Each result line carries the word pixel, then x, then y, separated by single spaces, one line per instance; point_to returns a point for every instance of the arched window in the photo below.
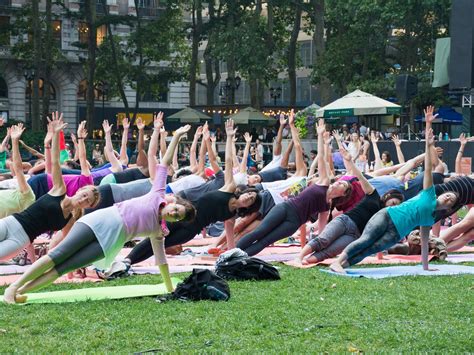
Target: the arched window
pixel 3 88
pixel 52 90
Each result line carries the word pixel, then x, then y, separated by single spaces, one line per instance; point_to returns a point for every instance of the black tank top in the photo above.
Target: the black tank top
pixel 129 175
pixel 213 207
pixel 43 216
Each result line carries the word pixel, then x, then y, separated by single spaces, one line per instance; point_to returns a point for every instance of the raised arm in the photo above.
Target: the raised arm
pixel 428 176
pixel 229 183
pixel 193 163
pixel 328 153
pixel 163 135
pixel 366 186
pixel 398 147
pixel 153 146
pixel 56 123
pixel 167 158
pixel 295 136
pixel 116 166
pixel 337 136
pixel 206 143
pixel 278 148
pixel 76 147
pixel 322 170
pixel 243 163
pixel 15 134
pixel 142 160
pixel 31 150
pixel 378 161
pixel 81 136
pixel 463 141
pixel 47 148
pixel 3 146
pixel 123 145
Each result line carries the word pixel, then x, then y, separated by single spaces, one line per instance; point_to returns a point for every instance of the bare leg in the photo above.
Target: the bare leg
pixel 458 243
pixel 36 270
pixel 459 228
pixel 42 281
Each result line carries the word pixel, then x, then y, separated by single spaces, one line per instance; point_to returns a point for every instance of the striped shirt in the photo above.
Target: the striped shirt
pixel 463 186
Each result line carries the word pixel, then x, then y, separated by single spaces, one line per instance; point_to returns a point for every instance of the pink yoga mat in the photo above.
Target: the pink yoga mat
pixel 8 279
pixel 370 260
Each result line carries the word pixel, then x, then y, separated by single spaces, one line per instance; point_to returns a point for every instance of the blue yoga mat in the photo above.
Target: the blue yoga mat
pixel 395 271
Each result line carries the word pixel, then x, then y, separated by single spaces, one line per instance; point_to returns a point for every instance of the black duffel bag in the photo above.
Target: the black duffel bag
pixel 202 284
pixel 246 268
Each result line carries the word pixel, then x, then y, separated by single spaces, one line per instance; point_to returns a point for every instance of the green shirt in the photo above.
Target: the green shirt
pixel 14 201
pixel 418 211
pixel 3 160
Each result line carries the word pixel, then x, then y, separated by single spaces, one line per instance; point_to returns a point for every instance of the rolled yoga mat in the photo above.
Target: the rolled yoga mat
pixel 98 293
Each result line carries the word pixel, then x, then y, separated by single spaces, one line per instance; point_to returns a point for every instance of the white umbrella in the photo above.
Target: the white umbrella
pixel 188 115
pixel 358 103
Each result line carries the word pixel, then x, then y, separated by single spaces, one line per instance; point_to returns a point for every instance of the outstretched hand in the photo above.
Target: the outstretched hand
pixel 429 117
pixel 396 141
pixel 229 128
pixel 283 120
pixel 321 127
pixel 183 130
pixel 16 131
pixel 345 154
pixel 140 124
pixel 158 121
pixel 247 137
pixel 56 122
pixel 81 130
pixel 106 126
pixel 125 123
pixel 462 139
pixel 200 131
pixel 291 117
pixel 2 122
pixel 373 137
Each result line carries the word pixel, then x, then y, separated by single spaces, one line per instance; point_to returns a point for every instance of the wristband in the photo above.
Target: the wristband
pixel 80 137
pixel 47 147
pixel 461 151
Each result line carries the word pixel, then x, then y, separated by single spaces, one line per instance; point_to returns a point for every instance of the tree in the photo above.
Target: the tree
pixel 90 15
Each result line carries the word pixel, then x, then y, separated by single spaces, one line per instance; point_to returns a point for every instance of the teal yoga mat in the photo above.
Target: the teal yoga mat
pixel 98 293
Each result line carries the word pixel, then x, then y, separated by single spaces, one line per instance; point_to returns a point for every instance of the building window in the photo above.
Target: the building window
pixel 150 97
pixel 4 31
pixel 83 31
pixel 3 88
pixel 57 32
pixel 82 92
pixel 305 53
pixel 303 91
pixel 52 90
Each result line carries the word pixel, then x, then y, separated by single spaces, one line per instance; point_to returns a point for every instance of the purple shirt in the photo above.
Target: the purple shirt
pixel 311 201
pixel 72 182
pixel 141 215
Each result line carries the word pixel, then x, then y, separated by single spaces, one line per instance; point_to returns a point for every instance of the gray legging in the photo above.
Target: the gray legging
pixel 80 248
pixel 337 235
pixel 379 234
pixel 282 221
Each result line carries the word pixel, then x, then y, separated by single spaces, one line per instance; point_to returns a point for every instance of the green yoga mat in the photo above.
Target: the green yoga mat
pixel 98 293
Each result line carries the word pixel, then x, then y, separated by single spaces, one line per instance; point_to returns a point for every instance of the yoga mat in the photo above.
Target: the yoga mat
pixel 92 277
pixel 465 249
pixel 370 260
pixel 141 270
pixel 98 293
pixel 395 271
pixel 13 269
pixel 198 242
pixel 460 258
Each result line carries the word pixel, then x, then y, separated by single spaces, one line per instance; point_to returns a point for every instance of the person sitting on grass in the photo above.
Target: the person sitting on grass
pixel 392 224
pixel 102 234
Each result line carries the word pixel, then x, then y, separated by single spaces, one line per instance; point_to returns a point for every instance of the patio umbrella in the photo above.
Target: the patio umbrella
pixel 188 115
pixel 249 114
pixel 358 103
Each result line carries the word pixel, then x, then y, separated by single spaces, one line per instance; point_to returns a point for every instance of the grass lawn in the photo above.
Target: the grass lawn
pixel 307 311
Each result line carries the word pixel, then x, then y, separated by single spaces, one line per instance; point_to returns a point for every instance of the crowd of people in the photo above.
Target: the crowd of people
pixel 342 206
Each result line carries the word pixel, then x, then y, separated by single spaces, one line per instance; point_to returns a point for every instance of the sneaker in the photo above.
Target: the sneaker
pixel 117 270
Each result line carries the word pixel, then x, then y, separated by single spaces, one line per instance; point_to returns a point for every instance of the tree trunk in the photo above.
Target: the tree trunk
pixel 253 92
pixel 230 57
pixel 196 35
pixel 115 69
pixel 292 53
pixel 141 67
pixel 35 110
pixel 319 48
pixel 212 64
pixel 47 64
pixel 90 7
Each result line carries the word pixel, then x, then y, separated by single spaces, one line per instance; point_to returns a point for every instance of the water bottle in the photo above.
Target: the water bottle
pixel 446 136
pixel 440 137
pixel 216 294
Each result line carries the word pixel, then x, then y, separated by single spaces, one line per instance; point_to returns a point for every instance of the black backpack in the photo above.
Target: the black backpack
pixel 246 268
pixel 202 284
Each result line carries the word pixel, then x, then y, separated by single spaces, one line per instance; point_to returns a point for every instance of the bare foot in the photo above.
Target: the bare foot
pixel 9 295
pixel 337 267
pixel 21 298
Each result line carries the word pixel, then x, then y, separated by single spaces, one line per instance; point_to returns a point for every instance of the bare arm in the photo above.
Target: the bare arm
pixel 463 141
pixel 32 151
pixel 57 124
pixel 206 142
pixel 153 146
pixel 378 160
pixel 3 146
pixel 300 164
pixel 366 186
pixel 323 173
pixel 109 149
pixel 428 176
pixel 167 158
pixel 47 149
pixel 123 145
pixel 76 147
pixel 229 183
pixel 192 152
pixel 142 160
pixel 398 147
pixel 16 132
pixel 243 163
pixel 81 136
pixel 277 150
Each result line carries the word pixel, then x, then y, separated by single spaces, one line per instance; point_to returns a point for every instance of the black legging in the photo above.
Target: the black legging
pixel 179 234
pixel 282 221
pixel 80 248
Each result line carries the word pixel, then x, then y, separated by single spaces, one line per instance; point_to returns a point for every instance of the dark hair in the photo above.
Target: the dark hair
pixel 182 172
pixel 244 211
pixel 190 211
pixel 72 164
pixel 314 151
pixel 393 193
pixel 340 201
pixel 389 158
pixel 440 214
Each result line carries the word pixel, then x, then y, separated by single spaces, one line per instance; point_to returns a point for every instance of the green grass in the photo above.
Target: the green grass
pixel 307 311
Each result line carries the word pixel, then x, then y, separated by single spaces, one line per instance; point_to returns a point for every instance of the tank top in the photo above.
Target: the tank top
pixel 213 207
pixel 129 175
pixel 43 216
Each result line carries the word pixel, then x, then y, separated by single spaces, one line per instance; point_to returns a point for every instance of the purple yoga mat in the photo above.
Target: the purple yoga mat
pixel 460 258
